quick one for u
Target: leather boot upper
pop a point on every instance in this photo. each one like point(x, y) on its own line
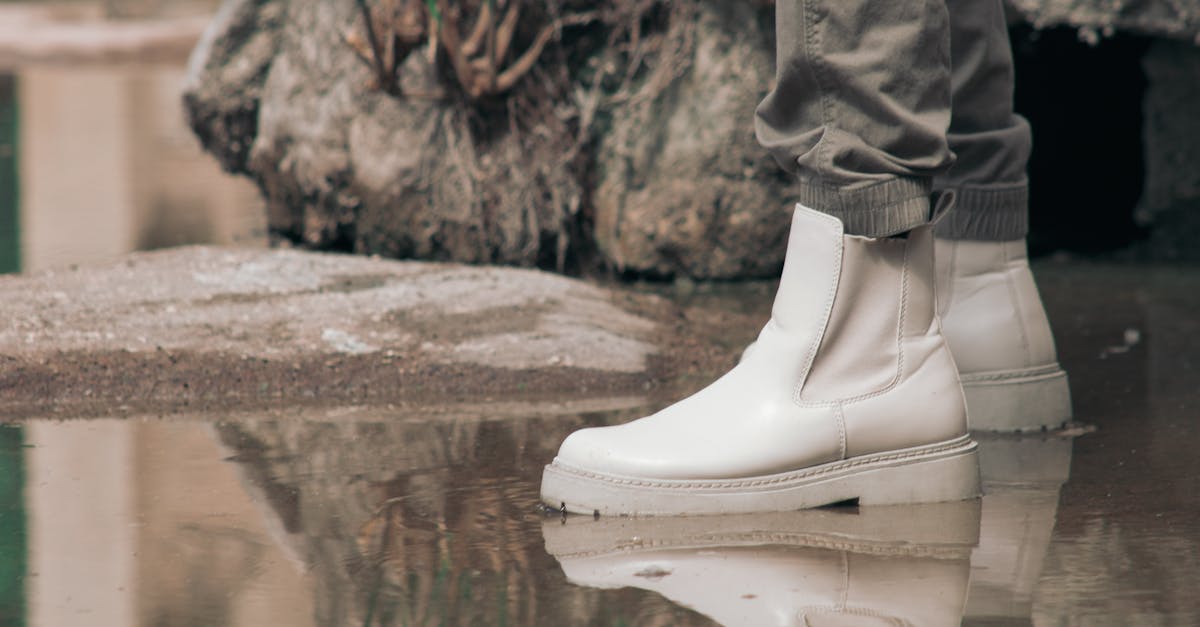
point(988, 286)
point(851, 362)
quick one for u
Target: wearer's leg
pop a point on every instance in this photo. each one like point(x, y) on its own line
point(860, 108)
point(992, 143)
point(992, 315)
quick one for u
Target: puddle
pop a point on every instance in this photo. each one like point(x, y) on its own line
point(365, 517)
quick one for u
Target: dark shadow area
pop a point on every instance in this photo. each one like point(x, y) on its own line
point(1087, 171)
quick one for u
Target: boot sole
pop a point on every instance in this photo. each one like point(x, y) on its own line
point(1035, 399)
point(947, 471)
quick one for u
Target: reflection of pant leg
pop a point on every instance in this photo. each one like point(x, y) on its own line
point(992, 143)
point(860, 107)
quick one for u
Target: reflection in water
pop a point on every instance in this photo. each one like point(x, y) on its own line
point(141, 523)
point(1126, 547)
point(431, 522)
point(887, 565)
point(1022, 478)
point(425, 522)
point(358, 518)
point(12, 527)
point(82, 527)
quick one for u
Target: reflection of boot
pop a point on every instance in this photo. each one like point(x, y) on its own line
point(901, 565)
point(850, 392)
point(1022, 478)
point(997, 329)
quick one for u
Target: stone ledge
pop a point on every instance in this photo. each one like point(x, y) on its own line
point(215, 329)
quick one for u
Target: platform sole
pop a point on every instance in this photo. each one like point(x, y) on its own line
point(947, 471)
point(1035, 399)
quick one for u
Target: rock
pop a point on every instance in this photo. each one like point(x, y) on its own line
point(557, 173)
point(1098, 18)
point(684, 188)
point(208, 327)
point(276, 93)
point(225, 78)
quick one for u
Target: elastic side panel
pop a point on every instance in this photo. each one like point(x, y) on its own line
point(919, 283)
point(860, 351)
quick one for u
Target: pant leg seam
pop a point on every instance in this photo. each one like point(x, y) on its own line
point(816, 66)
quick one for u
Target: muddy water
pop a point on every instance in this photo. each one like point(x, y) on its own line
point(366, 517)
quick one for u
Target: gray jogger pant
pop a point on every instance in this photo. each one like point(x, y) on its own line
point(879, 103)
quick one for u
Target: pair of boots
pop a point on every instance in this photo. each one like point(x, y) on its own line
point(851, 390)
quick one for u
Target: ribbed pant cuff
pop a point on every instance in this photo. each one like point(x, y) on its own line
point(996, 213)
point(877, 210)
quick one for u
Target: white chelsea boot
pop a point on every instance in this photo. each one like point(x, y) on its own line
point(902, 565)
point(996, 326)
point(850, 393)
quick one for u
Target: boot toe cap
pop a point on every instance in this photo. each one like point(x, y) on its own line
point(596, 450)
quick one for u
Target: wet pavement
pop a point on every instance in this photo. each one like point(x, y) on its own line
point(428, 515)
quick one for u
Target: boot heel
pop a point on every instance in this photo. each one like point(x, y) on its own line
point(953, 478)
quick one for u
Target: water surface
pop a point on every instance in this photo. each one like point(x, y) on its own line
point(372, 517)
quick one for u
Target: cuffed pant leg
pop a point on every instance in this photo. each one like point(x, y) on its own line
point(991, 141)
point(861, 107)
